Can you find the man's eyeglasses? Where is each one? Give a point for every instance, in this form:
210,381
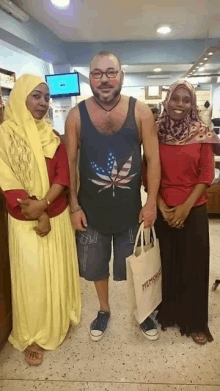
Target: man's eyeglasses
110,73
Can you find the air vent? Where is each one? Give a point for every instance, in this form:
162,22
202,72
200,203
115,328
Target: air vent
158,77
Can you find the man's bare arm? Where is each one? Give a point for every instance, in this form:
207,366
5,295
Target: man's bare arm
72,133
72,142
151,152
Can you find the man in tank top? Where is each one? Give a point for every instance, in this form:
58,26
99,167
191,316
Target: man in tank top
106,132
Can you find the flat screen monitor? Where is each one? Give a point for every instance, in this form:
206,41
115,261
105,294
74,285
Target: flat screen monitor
63,84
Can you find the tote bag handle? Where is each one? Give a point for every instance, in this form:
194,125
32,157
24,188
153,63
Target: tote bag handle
141,233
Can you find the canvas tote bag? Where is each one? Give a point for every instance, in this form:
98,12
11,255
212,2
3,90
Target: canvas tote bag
144,275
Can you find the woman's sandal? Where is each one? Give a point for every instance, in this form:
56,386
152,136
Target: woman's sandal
34,355
199,338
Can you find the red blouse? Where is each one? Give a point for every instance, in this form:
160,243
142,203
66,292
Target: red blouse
58,171
183,167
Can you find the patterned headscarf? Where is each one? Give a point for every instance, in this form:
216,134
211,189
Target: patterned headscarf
190,129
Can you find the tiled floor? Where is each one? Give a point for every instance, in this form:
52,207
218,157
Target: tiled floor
124,360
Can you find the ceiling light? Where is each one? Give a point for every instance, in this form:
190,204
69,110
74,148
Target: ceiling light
165,29
13,10
124,66
201,63
157,69
61,3
210,54
206,58
201,69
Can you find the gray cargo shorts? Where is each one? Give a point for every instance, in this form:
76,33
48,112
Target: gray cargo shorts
94,253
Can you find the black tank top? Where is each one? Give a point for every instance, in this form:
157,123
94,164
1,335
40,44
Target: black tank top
110,174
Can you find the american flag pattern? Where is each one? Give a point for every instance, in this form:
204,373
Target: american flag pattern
110,177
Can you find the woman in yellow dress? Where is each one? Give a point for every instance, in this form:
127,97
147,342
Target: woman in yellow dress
34,177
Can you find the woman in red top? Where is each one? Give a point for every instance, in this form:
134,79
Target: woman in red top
187,165
34,177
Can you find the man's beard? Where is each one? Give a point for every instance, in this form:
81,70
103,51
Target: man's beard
110,97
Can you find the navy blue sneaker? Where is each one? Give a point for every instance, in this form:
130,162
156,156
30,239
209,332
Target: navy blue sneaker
99,325
149,329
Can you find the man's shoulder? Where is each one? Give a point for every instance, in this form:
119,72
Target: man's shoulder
141,104
73,118
142,109
74,113
75,109
138,103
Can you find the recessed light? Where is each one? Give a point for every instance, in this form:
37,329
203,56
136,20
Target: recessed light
201,69
201,63
165,29
157,69
61,3
206,58
197,67
210,54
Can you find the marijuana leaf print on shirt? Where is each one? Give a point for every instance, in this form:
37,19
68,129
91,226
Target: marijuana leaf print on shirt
110,177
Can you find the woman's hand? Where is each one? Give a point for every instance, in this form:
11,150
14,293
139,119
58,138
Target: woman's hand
32,209
44,226
163,208
178,215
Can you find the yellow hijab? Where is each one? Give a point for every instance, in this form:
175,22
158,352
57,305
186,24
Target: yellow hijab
25,142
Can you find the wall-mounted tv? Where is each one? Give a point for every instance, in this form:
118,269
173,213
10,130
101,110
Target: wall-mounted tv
63,84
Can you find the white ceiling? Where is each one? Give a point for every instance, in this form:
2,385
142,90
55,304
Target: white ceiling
88,22
119,20
149,68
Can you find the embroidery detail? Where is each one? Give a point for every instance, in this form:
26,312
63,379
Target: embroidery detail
110,177
21,160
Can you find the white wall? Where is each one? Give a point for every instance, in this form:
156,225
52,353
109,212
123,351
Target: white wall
18,61
61,108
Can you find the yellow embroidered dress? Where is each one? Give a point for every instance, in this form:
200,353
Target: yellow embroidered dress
44,270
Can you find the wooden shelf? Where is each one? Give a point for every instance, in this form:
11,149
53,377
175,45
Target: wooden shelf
5,280
213,204
213,193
